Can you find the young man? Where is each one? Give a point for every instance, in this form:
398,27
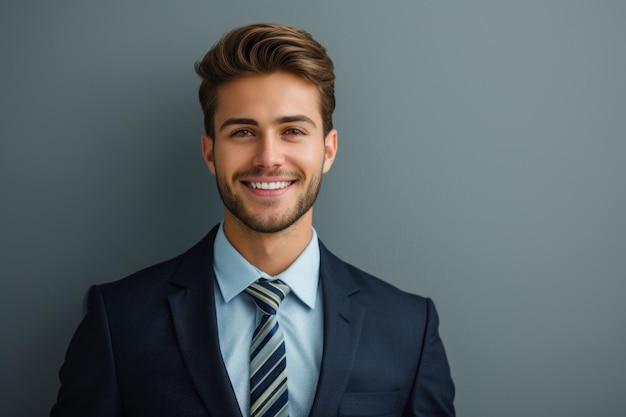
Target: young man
259,318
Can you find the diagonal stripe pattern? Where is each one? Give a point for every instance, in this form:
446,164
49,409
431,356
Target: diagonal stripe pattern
268,363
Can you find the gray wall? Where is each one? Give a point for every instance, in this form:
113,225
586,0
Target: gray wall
481,163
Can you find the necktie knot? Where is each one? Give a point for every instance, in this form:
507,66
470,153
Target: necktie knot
268,295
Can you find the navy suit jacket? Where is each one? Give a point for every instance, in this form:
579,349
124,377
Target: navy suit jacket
148,346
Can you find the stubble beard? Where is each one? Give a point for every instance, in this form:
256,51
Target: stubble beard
277,222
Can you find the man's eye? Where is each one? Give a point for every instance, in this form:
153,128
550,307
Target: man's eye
241,133
293,131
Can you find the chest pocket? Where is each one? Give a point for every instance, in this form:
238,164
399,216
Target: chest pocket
369,404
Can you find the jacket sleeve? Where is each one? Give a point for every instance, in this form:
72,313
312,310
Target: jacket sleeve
433,390
88,375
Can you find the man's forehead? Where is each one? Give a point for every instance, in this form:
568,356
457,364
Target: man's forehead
271,96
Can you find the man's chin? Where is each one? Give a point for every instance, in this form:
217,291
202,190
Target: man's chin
267,226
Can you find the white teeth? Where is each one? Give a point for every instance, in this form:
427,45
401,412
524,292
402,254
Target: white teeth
269,185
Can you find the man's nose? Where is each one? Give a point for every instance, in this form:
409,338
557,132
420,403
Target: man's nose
269,152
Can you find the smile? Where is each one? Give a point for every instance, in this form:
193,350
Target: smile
269,185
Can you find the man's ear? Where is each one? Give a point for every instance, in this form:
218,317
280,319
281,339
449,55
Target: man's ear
330,150
207,152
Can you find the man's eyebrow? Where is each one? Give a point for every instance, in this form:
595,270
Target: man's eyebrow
278,121
295,118
238,121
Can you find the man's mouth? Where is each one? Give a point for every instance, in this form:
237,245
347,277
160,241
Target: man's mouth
276,185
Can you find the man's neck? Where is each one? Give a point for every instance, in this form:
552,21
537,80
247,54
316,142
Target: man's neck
271,253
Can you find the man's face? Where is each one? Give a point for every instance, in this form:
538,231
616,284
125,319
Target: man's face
269,150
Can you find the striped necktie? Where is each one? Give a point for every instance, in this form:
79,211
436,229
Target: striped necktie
268,374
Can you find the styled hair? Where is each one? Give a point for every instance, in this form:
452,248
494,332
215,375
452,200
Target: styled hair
260,49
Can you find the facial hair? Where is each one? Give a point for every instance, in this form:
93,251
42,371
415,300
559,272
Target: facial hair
277,222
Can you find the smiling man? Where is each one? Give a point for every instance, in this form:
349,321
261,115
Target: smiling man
268,153
259,318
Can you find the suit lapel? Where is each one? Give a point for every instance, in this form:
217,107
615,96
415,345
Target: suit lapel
343,320
193,312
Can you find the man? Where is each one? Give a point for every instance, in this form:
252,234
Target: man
259,318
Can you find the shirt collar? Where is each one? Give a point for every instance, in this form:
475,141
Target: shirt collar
234,273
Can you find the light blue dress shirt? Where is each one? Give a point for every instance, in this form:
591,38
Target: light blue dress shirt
299,316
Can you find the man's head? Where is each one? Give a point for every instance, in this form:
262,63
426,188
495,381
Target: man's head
267,96
261,49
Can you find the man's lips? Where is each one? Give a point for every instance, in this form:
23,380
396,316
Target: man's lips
268,185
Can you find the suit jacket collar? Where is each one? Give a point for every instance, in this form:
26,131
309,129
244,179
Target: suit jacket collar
193,312
343,320
192,304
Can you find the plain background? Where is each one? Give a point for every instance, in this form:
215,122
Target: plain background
481,163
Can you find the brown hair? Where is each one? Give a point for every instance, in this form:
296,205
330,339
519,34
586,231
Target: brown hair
264,48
